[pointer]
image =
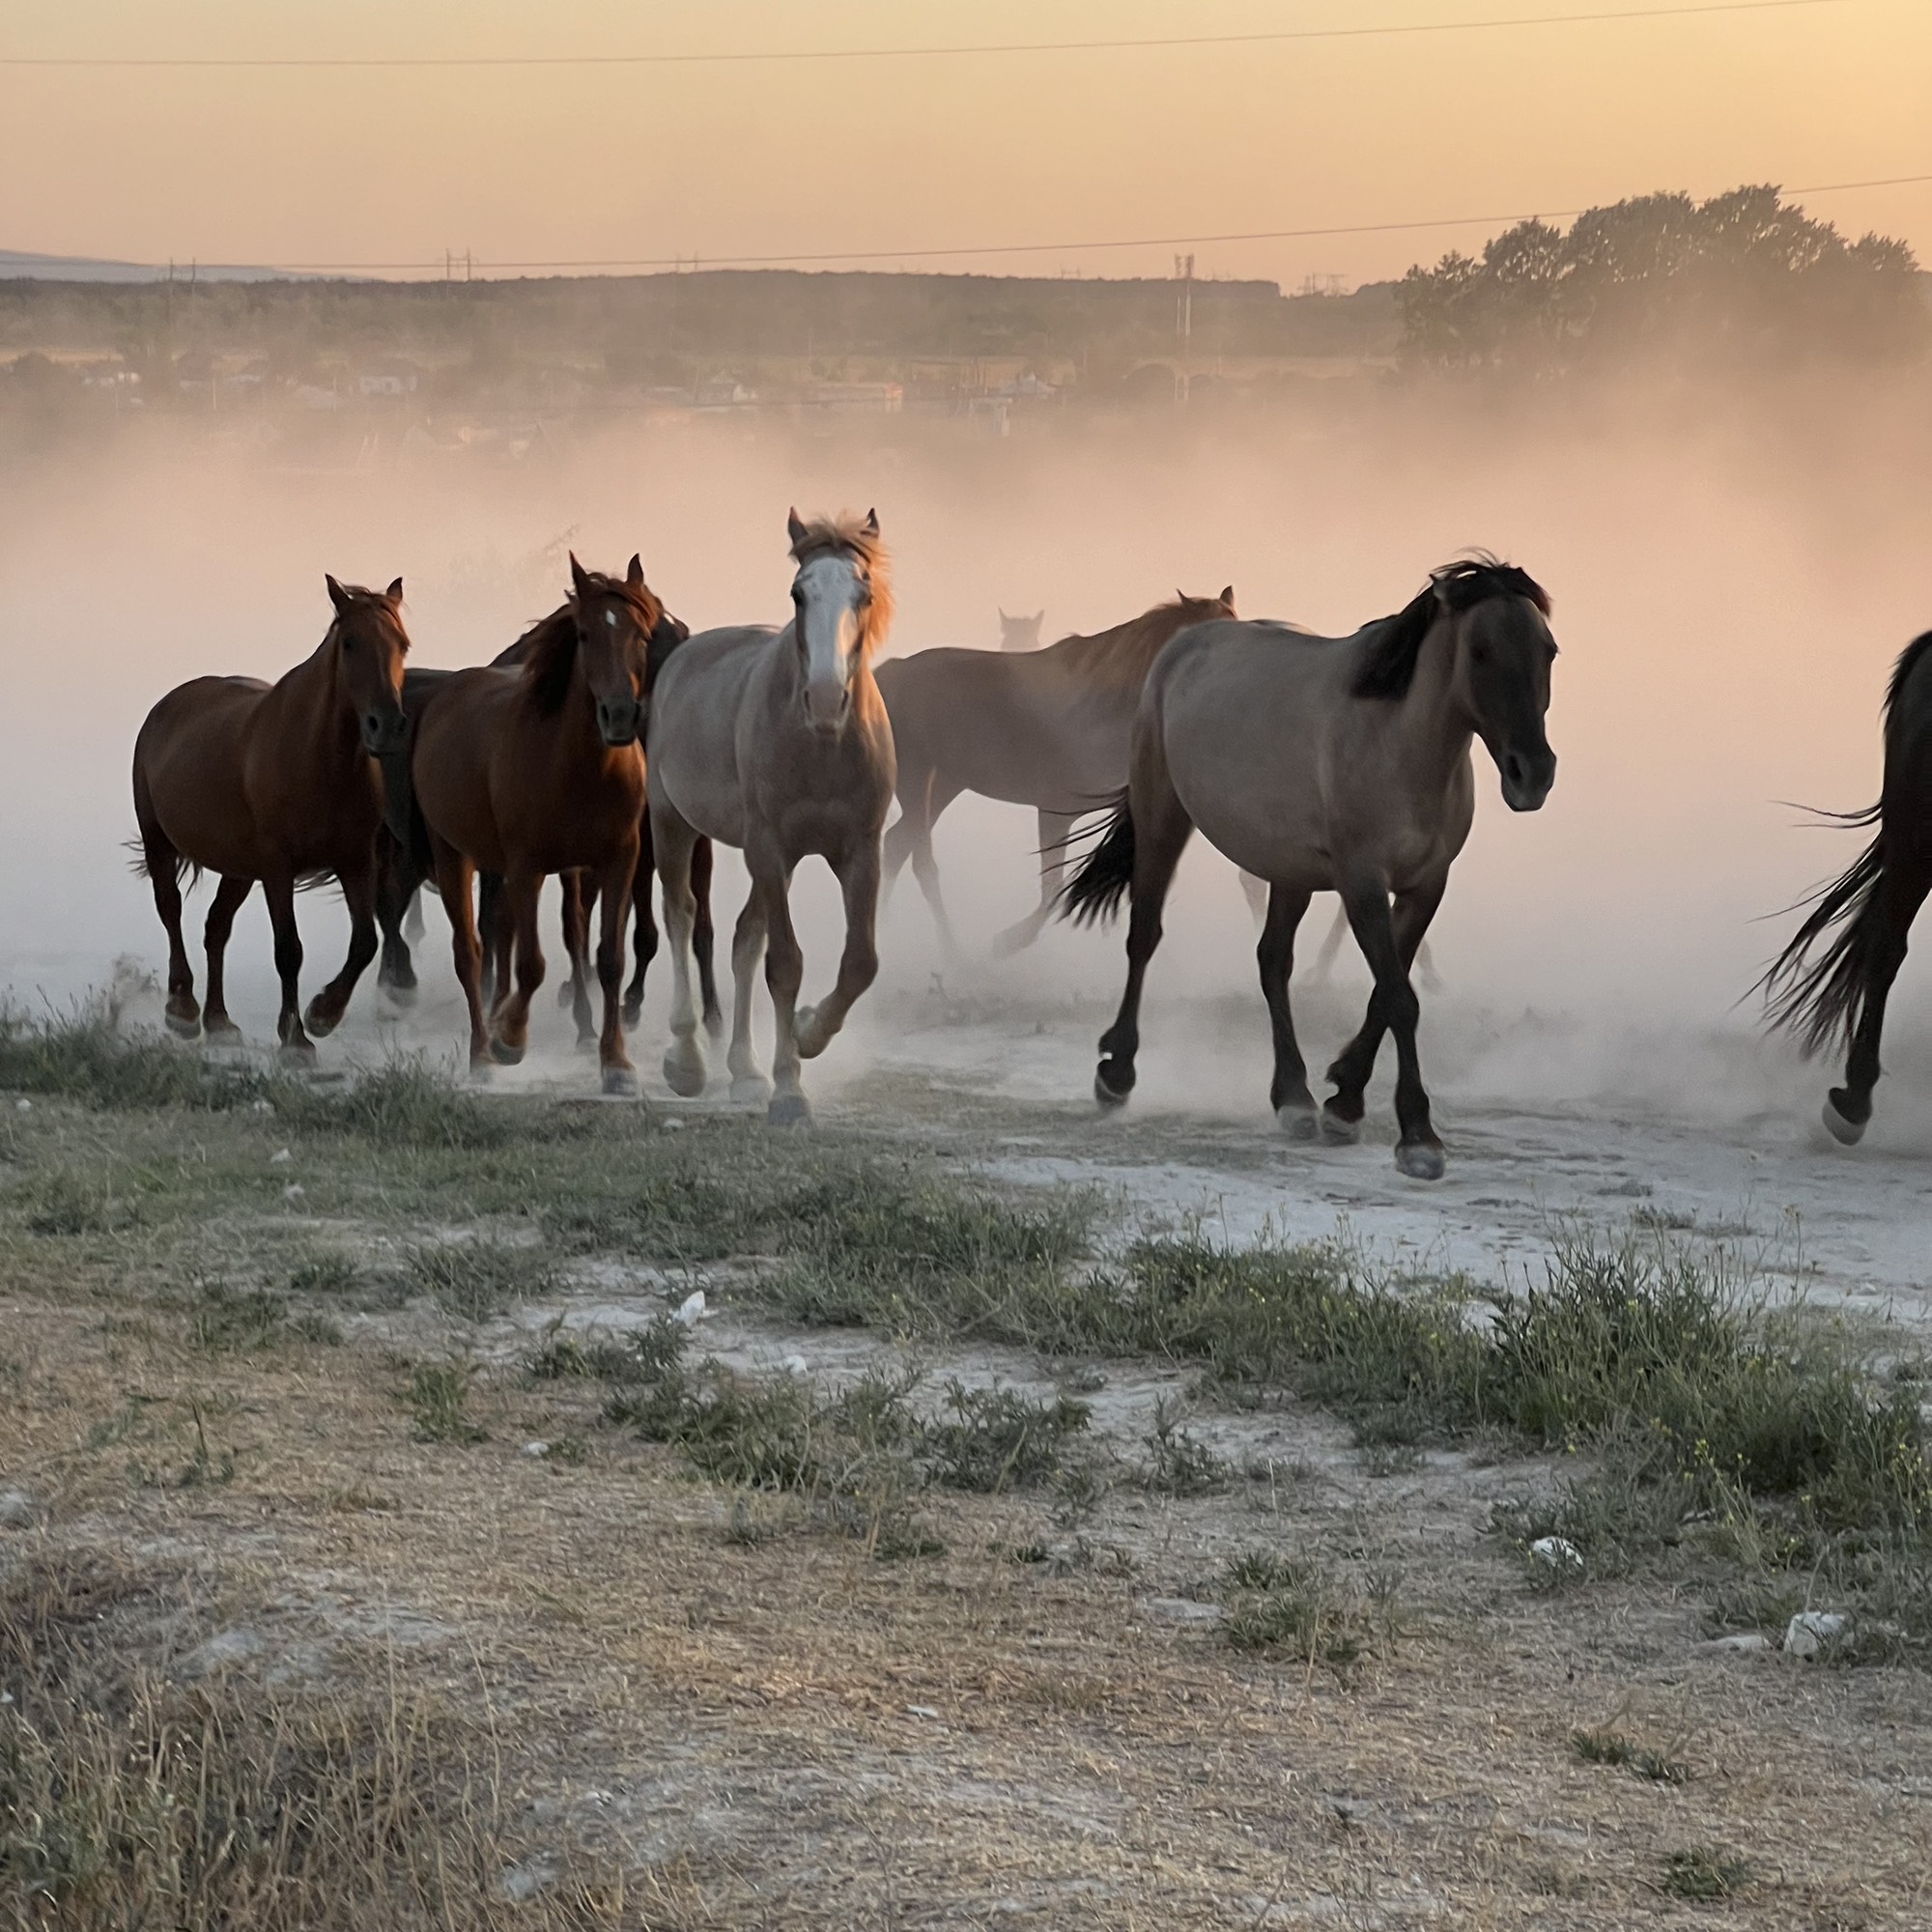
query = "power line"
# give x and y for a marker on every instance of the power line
(1015, 248)
(745, 56)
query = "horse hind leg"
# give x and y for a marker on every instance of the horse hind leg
(579, 900)
(164, 866)
(703, 936)
(1055, 828)
(1848, 1109)
(228, 900)
(1288, 1092)
(399, 915)
(510, 1023)
(672, 839)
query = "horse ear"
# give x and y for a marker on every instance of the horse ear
(337, 596)
(1003, 618)
(579, 576)
(871, 523)
(794, 530)
(1228, 595)
(635, 576)
(394, 593)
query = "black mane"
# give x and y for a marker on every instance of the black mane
(1902, 673)
(548, 650)
(1389, 667)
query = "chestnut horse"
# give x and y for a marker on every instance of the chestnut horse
(777, 742)
(276, 783)
(538, 769)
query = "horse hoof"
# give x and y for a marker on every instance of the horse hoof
(299, 1052)
(1847, 1133)
(622, 1080)
(751, 1090)
(1014, 939)
(684, 1069)
(1111, 1089)
(503, 1052)
(588, 1042)
(1420, 1160)
(634, 1011)
(399, 992)
(319, 1023)
(1338, 1131)
(185, 1025)
(789, 1109)
(811, 1038)
(1298, 1122)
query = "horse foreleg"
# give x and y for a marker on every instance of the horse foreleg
(1848, 1109)
(228, 900)
(614, 887)
(358, 893)
(398, 915)
(280, 894)
(454, 878)
(510, 1023)
(703, 936)
(1162, 829)
(580, 897)
(644, 925)
(1388, 942)
(784, 973)
(672, 839)
(748, 949)
(1288, 1092)
(916, 822)
(858, 964)
(1055, 829)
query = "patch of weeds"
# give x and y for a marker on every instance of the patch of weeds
(231, 1321)
(571, 1451)
(1381, 1460)
(1280, 1607)
(80, 1056)
(407, 1103)
(1179, 1463)
(475, 1280)
(1078, 1491)
(331, 1274)
(996, 1438)
(1702, 1873)
(65, 1203)
(436, 1395)
(1613, 1747)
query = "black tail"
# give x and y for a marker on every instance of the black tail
(1094, 893)
(183, 866)
(1822, 1000)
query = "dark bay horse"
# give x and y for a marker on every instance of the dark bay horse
(1842, 994)
(277, 782)
(1330, 765)
(776, 741)
(535, 770)
(1047, 729)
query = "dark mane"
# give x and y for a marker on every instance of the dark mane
(1909, 661)
(548, 650)
(1389, 667)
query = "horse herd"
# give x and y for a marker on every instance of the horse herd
(609, 744)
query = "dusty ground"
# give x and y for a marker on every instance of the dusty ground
(759, 1722)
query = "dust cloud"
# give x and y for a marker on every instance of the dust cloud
(1731, 578)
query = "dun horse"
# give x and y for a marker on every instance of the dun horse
(1843, 993)
(276, 783)
(776, 742)
(1045, 729)
(1322, 765)
(535, 770)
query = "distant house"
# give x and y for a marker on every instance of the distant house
(860, 398)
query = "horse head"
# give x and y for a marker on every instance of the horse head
(617, 621)
(842, 603)
(370, 646)
(1020, 634)
(1504, 651)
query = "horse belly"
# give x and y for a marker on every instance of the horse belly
(189, 758)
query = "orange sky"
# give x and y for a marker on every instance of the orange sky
(375, 167)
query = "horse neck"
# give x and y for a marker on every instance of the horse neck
(313, 699)
(1435, 728)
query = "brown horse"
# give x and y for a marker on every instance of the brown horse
(276, 783)
(1047, 729)
(776, 742)
(538, 769)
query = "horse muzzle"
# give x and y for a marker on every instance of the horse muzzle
(827, 706)
(1527, 777)
(619, 720)
(384, 731)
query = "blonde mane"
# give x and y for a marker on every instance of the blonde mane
(855, 537)
(1117, 660)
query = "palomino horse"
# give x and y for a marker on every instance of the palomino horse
(407, 861)
(1872, 905)
(1330, 765)
(276, 783)
(1045, 729)
(535, 770)
(777, 742)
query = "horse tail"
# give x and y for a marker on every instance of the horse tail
(1824, 1000)
(142, 865)
(1100, 882)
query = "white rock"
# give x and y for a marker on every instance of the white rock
(920, 1711)
(16, 1509)
(1810, 1632)
(536, 1448)
(1558, 1553)
(23, 1106)
(796, 1365)
(280, 1158)
(262, 1107)
(672, 1124)
(294, 1191)
(520, 1881)
(691, 1312)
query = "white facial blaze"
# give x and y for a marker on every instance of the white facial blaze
(830, 591)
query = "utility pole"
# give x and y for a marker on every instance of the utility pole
(1183, 321)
